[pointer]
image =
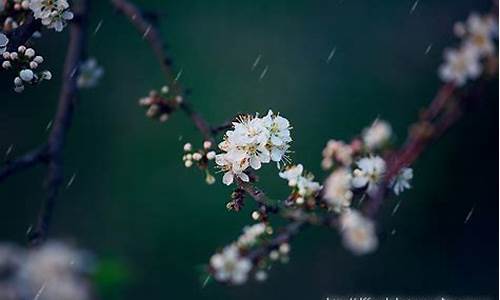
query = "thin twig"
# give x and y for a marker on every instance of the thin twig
(23, 33)
(23, 162)
(151, 34)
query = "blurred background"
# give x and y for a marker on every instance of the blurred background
(153, 223)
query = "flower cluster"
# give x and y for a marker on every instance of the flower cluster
(160, 105)
(252, 142)
(477, 44)
(25, 63)
(359, 171)
(200, 157)
(13, 14)
(59, 271)
(89, 74)
(232, 264)
(54, 14)
(305, 188)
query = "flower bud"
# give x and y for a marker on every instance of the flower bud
(188, 147)
(29, 52)
(6, 64)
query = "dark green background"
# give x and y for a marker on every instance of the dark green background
(154, 223)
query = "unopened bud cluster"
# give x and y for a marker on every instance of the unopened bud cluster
(160, 105)
(25, 64)
(13, 13)
(200, 158)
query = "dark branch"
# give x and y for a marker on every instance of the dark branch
(23, 33)
(23, 162)
(62, 121)
(151, 34)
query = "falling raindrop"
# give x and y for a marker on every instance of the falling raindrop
(256, 62)
(178, 75)
(205, 282)
(330, 56)
(469, 214)
(9, 150)
(414, 6)
(98, 27)
(73, 72)
(40, 291)
(48, 125)
(28, 231)
(71, 180)
(396, 208)
(146, 32)
(264, 72)
(428, 49)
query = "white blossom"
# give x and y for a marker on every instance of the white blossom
(337, 191)
(279, 135)
(305, 184)
(377, 134)
(481, 30)
(232, 164)
(292, 174)
(3, 43)
(229, 266)
(460, 65)
(369, 173)
(89, 73)
(358, 233)
(53, 13)
(402, 181)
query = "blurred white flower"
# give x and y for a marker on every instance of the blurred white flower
(460, 65)
(358, 233)
(377, 134)
(89, 73)
(229, 266)
(3, 43)
(481, 30)
(250, 234)
(369, 173)
(338, 151)
(52, 272)
(402, 181)
(337, 191)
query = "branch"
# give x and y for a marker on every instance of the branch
(23, 33)
(62, 121)
(151, 34)
(30, 159)
(258, 195)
